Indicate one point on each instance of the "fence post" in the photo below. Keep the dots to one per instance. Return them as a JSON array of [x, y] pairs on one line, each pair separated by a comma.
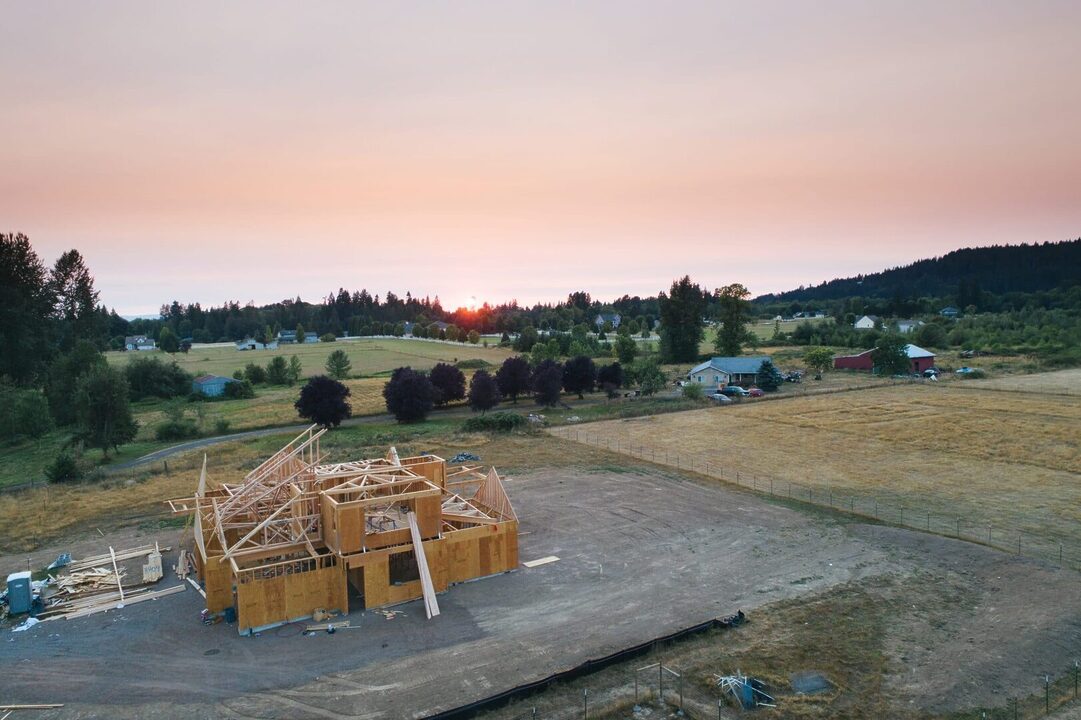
[[585, 702], [928, 522], [635, 687], [771, 487], [1047, 694], [958, 528], [681, 690], [876, 508], [1018, 543], [902, 517], [660, 682]]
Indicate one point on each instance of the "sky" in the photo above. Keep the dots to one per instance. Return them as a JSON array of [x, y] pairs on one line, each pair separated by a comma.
[[255, 151]]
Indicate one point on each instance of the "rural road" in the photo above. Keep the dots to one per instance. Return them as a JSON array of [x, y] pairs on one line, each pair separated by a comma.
[[164, 453]]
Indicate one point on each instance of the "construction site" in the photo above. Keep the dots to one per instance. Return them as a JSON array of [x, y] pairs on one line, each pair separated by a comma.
[[296, 536]]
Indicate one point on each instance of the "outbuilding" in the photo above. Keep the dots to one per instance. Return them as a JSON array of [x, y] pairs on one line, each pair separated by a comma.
[[919, 360], [211, 385]]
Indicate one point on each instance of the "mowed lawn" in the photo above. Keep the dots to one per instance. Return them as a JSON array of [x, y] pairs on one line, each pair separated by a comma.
[[955, 450], [369, 356]]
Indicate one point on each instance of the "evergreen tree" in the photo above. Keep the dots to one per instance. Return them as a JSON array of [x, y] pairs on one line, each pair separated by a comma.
[[63, 377], [277, 371], [483, 392], [76, 300], [295, 369], [734, 311], [168, 341], [324, 401], [300, 333], [626, 349], [681, 321], [26, 303], [102, 409], [338, 365], [514, 377], [769, 378]]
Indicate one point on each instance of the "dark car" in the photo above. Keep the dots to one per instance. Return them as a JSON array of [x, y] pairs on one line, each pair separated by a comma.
[[756, 392], [733, 391]]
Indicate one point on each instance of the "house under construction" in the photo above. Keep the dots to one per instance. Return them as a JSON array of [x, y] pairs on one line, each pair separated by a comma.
[[295, 533]]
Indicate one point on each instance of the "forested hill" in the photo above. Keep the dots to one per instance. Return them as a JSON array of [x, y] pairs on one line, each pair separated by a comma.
[[997, 269]]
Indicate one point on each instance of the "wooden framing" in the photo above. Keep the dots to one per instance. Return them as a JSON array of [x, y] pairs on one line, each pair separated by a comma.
[[295, 533]]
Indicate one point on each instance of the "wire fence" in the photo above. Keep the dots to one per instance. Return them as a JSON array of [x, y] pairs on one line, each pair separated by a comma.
[[1015, 537], [663, 686]]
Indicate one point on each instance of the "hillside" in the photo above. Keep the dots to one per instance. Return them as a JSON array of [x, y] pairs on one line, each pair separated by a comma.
[[997, 269]]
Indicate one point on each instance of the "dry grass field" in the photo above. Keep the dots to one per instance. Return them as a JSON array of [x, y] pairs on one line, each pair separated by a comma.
[[370, 356], [271, 406], [955, 450], [1060, 382]]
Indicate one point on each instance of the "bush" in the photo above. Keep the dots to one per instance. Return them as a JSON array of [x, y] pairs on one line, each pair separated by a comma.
[[255, 374], [472, 364], [327, 337], [221, 426], [976, 374], [150, 377], [64, 469], [693, 391], [239, 390], [176, 430], [495, 422], [23, 413]]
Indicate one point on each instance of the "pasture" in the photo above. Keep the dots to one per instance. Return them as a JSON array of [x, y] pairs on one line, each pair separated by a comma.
[[954, 450], [369, 356]]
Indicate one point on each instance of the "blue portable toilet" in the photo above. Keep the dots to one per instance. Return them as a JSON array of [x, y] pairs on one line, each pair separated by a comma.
[[19, 593]]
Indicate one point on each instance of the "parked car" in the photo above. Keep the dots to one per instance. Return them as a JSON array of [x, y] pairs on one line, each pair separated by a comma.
[[756, 392], [930, 372], [794, 377], [964, 370], [720, 398], [733, 391]]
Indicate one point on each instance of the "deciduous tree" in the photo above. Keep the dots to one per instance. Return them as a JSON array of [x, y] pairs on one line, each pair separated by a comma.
[[324, 400], [103, 410], [483, 392], [514, 377], [409, 395], [449, 383], [579, 375], [732, 331], [547, 382], [819, 359], [890, 356]]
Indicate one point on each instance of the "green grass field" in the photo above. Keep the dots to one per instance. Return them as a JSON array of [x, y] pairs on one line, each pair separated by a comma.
[[370, 356]]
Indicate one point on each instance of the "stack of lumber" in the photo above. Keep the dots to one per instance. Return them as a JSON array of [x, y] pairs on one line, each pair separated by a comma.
[[96, 584]]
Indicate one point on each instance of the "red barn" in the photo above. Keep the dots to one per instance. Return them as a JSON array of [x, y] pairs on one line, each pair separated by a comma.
[[921, 360]]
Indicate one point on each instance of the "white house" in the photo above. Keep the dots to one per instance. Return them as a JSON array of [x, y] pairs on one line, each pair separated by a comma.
[[907, 326], [138, 342], [602, 318], [867, 322]]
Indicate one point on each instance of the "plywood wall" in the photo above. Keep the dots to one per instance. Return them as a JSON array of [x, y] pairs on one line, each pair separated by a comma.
[[291, 597], [218, 583]]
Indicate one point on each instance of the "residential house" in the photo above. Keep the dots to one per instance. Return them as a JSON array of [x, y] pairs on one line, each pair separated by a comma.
[[949, 311], [602, 318], [907, 326], [867, 322], [720, 371], [289, 337], [139, 342], [211, 385], [919, 358], [249, 343]]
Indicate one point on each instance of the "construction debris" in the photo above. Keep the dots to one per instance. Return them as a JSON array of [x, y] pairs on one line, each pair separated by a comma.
[[330, 628], [748, 692], [464, 457], [61, 560]]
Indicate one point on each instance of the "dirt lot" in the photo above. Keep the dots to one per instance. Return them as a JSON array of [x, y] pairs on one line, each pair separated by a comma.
[[1011, 460], [640, 555]]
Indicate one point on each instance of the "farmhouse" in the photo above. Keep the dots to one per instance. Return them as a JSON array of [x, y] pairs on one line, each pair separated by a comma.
[[602, 318], [250, 343], [867, 322], [295, 535], [727, 371], [210, 385], [919, 358], [139, 342]]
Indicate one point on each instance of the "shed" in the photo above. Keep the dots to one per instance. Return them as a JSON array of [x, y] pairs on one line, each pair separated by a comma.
[[211, 385]]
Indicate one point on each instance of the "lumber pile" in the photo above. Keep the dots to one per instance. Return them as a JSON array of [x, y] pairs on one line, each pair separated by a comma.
[[98, 583]]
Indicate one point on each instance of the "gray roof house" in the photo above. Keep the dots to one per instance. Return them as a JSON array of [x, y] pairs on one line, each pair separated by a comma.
[[949, 311], [727, 370], [139, 342], [602, 318], [253, 344]]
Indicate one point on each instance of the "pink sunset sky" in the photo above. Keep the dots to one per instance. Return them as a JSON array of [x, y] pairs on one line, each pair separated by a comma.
[[256, 151]]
